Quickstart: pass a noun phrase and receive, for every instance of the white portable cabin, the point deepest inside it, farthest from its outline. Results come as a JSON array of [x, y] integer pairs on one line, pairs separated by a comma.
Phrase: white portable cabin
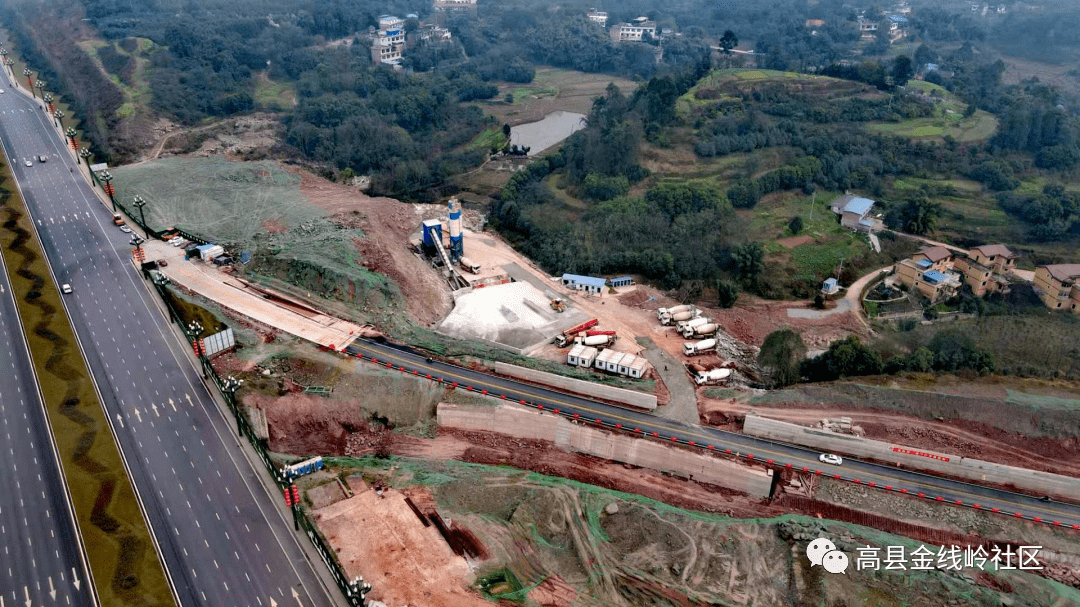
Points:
[[625, 364], [587, 356], [574, 355], [639, 368], [613, 362], [603, 358]]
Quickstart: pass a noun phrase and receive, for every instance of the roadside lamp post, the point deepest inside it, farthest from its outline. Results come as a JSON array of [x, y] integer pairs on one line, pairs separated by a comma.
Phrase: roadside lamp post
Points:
[[9, 63], [48, 99], [70, 133], [85, 155], [106, 184], [139, 204], [40, 85], [229, 388], [3, 55], [30, 79], [59, 115]]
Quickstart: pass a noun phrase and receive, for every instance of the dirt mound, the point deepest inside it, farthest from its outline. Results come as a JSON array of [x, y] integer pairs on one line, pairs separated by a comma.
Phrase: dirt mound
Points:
[[752, 320], [387, 225]]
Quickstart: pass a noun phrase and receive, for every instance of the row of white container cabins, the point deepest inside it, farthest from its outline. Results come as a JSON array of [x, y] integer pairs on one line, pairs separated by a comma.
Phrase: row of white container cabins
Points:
[[620, 363]]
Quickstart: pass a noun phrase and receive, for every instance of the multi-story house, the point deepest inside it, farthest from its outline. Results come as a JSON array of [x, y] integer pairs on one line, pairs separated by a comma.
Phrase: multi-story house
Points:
[[1058, 286], [633, 31], [598, 17], [388, 43]]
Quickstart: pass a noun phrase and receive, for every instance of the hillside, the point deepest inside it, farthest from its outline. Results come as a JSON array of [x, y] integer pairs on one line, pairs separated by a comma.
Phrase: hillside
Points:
[[745, 163]]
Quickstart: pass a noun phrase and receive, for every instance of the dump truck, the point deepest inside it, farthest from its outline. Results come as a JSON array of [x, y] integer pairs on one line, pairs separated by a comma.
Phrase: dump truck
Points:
[[662, 312], [596, 341], [690, 324], [678, 317], [700, 347], [701, 331], [468, 265], [563, 339], [712, 376]]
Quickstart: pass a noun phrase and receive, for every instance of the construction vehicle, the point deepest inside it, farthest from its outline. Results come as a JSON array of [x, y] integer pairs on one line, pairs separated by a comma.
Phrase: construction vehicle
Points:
[[662, 312], [470, 266], [712, 376], [678, 317], [598, 332], [700, 347], [700, 331], [117, 219], [596, 341], [697, 321], [558, 305], [563, 339]]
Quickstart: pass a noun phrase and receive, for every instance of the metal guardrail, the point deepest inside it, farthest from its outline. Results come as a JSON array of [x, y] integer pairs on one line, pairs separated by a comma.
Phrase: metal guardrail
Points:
[[352, 590]]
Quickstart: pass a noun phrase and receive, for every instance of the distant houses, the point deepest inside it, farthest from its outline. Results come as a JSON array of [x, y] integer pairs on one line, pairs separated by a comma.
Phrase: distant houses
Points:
[[389, 42], [598, 17], [937, 273]]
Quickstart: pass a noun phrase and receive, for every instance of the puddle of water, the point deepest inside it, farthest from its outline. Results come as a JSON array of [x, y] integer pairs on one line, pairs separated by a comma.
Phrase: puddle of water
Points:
[[545, 133]]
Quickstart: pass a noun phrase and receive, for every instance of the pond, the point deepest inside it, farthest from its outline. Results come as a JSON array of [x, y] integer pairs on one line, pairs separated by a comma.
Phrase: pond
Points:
[[545, 133]]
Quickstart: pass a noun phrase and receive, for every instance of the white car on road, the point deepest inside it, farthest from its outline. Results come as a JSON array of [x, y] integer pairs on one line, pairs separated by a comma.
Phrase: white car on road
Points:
[[829, 458], [66, 288], [29, 163]]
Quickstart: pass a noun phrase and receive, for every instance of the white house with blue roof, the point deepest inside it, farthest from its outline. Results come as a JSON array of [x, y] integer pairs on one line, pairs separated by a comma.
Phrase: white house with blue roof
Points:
[[856, 213], [589, 284]]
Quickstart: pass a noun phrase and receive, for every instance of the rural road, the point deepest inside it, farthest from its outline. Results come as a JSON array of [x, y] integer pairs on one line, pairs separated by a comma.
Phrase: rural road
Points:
[[222, 537]]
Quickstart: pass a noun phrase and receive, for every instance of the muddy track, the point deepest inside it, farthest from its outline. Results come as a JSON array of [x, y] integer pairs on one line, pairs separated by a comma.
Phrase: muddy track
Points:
[[132, 549]]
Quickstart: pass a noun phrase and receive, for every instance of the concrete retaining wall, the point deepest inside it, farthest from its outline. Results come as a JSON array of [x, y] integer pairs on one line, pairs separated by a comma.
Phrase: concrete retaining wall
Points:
[[1043, 483], [632, 398], [524, 423]]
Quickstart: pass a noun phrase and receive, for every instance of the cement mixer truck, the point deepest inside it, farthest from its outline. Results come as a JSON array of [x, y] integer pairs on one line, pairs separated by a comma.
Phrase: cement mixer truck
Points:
[[701, 347], [596, 341], [678, 317], [690, 324], [662, 312], [700, 331], [712, 376]]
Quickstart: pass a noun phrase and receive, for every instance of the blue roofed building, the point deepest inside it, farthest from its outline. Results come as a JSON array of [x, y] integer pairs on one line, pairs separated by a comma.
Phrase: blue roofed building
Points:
[[589, 284], [856, 213]]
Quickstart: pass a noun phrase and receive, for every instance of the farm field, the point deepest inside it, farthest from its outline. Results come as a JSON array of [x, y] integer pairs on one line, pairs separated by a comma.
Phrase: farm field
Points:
[[948, 120], [552, 89]]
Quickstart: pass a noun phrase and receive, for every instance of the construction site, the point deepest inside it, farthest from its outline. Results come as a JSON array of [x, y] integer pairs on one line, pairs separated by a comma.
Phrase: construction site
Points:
[[596, 517]]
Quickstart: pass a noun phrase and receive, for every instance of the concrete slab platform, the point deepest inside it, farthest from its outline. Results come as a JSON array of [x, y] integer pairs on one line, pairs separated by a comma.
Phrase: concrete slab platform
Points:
[[257, 303]]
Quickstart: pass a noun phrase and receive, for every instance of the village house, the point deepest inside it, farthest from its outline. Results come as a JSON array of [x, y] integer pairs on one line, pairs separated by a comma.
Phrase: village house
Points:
[[633, 31], [1058, 286], [855, 213]]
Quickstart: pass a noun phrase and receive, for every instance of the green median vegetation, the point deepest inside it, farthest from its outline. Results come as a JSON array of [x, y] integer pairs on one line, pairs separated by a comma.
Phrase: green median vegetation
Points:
[[121, 552]]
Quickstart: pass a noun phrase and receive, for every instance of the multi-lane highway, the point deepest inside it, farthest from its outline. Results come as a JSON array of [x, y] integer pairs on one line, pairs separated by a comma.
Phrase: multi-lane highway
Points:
[[41, 559], [777, 454], [221, 540]]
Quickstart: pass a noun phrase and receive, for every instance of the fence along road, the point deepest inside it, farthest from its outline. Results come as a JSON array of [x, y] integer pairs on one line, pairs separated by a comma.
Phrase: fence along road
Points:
[[220, 539]]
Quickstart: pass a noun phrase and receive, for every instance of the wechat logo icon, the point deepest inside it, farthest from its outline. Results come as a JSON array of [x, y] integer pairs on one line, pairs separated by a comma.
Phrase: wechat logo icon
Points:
[[823, 552]]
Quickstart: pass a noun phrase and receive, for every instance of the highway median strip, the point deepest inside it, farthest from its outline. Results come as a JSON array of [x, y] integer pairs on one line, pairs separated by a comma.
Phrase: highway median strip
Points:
[[119, 546]]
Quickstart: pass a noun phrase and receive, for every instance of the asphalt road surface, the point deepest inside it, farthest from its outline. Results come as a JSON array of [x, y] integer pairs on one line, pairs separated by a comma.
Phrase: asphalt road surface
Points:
[[222, 542], [746, 447], [40, 553]]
